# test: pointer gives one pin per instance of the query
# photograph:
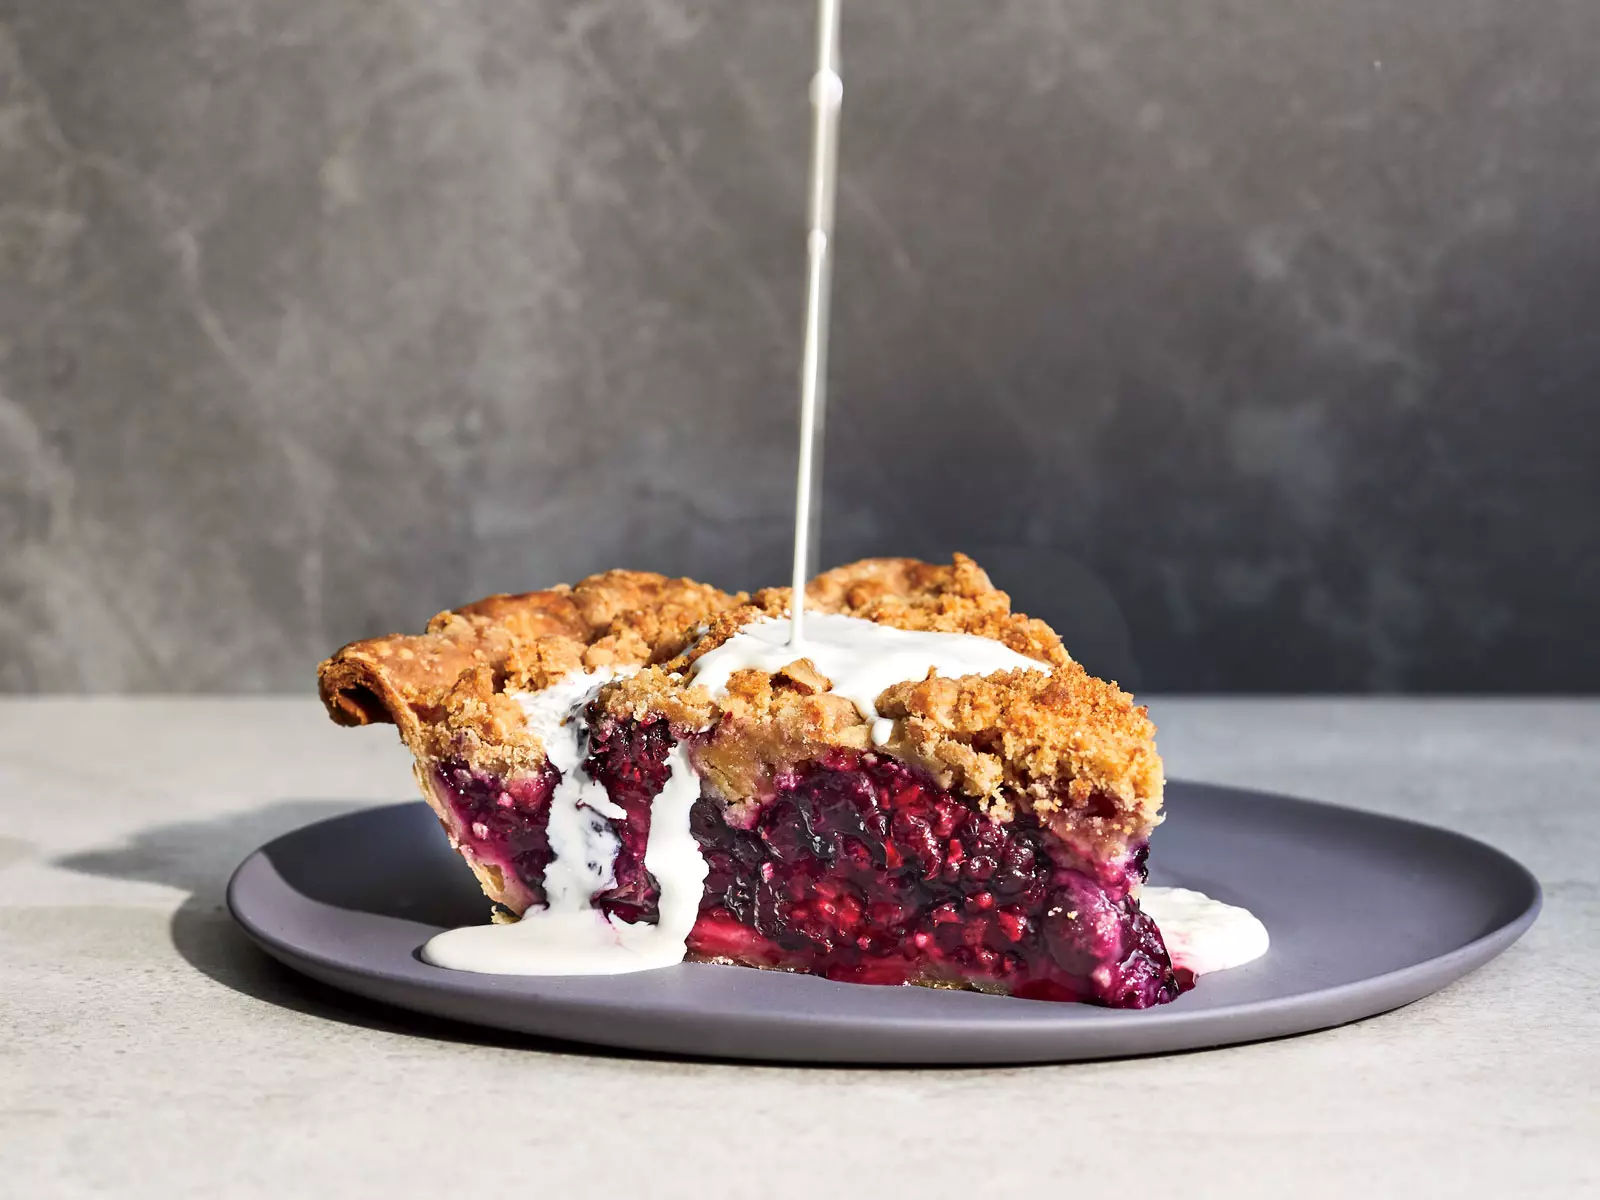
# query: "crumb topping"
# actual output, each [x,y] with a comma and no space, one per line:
[449,689]
[1071,748]
[1066,741]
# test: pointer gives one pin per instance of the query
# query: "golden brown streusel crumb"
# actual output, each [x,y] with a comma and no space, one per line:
[658,691]
[482,723]
[906,594]
[763,724]
[1065,741]
[1071,748]
[525,642]
[535,665]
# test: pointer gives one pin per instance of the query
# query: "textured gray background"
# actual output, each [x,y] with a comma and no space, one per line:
[1257,344]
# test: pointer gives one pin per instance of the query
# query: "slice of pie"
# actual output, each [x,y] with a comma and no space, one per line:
[650,758]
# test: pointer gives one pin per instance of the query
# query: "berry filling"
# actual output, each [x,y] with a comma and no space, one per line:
[630,759]
[503,820]
[858,868]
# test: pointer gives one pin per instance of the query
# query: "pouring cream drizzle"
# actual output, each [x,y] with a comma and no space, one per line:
[859,657]
[569,936]
[581,837]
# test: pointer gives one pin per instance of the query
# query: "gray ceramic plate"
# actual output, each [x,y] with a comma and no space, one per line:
[1366,913]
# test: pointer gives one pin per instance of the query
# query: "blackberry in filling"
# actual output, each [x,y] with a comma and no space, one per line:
[856,867]
[503,820]
[860,869]
[630,759]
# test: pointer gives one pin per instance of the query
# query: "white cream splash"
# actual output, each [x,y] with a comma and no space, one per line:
[1202,934]
[861,658]
[569,936]
[581,837]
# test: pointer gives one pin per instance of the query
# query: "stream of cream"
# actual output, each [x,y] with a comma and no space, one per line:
[569,936]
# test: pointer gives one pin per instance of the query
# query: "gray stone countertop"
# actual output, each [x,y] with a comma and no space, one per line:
[150,1050]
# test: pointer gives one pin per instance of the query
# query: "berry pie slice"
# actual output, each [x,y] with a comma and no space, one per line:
[923,788]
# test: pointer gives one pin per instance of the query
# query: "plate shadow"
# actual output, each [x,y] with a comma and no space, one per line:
[199,857]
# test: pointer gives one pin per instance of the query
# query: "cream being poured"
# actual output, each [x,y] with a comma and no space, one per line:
[861,659]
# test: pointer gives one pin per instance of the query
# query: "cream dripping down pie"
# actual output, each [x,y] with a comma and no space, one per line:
[927,789]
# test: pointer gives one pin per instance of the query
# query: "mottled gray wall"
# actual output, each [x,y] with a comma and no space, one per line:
[1257,344]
